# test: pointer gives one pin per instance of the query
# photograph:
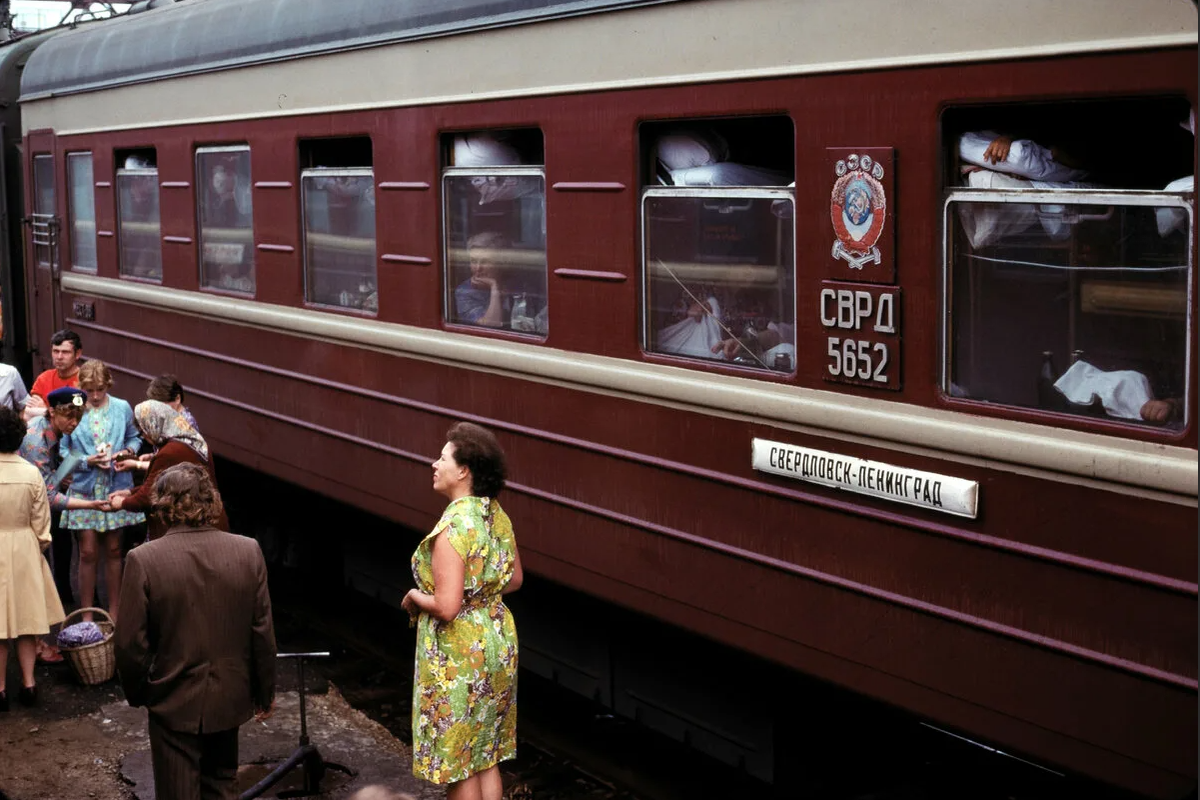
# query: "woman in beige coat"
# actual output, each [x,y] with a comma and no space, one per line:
[29,603]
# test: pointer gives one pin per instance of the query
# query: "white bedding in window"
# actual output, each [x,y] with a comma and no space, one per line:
[1172,219]
[988,224]
[1026,158]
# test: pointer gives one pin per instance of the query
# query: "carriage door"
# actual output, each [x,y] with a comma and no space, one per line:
[43,239]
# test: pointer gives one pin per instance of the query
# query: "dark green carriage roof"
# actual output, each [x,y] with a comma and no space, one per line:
[195,36]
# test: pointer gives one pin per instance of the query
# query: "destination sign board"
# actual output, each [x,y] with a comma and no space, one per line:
[912,487]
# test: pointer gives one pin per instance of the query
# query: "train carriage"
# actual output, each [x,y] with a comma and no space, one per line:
[780,350]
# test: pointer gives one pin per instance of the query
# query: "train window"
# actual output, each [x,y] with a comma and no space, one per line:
[1069,251]
[138,227]
[337,186]
[226,218]
[494,189]
[82,211]
[339,237]
[44,210]
[718,209]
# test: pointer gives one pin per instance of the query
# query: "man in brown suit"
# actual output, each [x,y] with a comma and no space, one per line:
[195,643]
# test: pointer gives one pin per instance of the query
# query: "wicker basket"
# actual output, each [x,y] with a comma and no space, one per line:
[96,662]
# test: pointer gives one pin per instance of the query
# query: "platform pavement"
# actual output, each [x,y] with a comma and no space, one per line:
[85,742]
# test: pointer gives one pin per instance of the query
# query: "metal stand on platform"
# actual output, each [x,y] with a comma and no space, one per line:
[306,756]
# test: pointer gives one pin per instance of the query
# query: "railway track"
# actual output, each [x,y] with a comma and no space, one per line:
[569,749]
[829,744]
[573,749]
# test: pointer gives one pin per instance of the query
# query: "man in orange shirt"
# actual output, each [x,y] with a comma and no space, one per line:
[65,351]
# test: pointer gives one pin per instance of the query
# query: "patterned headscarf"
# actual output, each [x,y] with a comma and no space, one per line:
[161,423]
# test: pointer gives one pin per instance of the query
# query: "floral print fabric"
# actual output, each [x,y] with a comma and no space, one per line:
[40,448]
[465,687]
[103,426]
[161,424]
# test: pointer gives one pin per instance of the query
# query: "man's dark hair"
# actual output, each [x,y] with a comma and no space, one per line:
[66,335]
[164,389]
[12,430]
[476,448]
[185,495]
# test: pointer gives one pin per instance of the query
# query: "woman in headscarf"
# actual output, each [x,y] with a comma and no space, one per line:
[176,442]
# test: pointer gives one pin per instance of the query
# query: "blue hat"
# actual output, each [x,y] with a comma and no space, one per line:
[66,396]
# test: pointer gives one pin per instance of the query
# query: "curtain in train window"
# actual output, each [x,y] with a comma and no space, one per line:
[82,211]
[1076,303]
[496,248]
[339,238]
[43,209]
[138,223]
[226,218]
[719,274]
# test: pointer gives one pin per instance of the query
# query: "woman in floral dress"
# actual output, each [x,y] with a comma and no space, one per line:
[105,435]
[465,687]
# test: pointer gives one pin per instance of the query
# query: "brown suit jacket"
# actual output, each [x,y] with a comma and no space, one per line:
[195,643]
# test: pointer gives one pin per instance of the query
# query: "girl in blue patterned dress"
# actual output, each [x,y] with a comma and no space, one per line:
[106,434]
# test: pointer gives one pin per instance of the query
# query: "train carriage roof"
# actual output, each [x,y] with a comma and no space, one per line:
[205,35]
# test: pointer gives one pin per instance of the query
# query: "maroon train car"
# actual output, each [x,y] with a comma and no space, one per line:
[858,337]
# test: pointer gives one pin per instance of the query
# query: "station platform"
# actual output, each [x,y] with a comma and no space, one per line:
[86,742]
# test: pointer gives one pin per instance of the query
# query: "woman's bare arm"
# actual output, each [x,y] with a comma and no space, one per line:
[448,572]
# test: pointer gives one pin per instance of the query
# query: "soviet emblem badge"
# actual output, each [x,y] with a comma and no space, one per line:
[858,207]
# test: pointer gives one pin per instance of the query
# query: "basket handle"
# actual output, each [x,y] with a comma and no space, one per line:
[67,621]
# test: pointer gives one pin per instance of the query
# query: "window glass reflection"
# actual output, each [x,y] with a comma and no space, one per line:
[339,238]
[138,224]
[720,278]
[226,219]
[496,250]
[1073,307]
[82,211]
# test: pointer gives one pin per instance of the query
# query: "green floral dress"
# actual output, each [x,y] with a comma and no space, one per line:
[465,687]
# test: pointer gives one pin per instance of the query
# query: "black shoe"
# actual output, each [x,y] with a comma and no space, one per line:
[3,702]
[28,696]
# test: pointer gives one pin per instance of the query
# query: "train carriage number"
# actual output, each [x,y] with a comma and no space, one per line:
[861,324]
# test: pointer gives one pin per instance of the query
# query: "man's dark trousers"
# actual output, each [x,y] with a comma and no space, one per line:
[193,766]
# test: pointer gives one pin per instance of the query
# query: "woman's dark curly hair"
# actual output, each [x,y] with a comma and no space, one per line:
[12,430]
[476,449]
[185,495]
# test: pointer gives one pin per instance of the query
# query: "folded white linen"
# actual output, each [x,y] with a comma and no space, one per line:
[1122,392]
